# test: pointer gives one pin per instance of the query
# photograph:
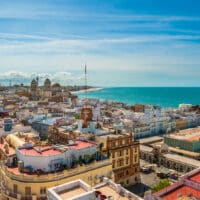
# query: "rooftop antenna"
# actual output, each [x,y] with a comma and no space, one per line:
[10,82]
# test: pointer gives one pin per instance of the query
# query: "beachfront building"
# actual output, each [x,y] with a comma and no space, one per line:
[156,127]
[124,152]
[153,121]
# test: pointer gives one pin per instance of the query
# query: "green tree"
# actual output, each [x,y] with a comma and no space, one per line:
[162,184]
[77,116]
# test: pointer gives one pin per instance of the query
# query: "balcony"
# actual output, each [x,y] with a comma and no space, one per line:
[28,197]
[14,174]
[16,196]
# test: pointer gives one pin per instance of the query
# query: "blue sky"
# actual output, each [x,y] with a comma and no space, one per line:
[123,42]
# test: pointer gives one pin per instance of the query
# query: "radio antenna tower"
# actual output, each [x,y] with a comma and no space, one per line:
[85,80]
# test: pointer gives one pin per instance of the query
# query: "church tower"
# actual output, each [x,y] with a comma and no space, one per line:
[47,92]
[34,90]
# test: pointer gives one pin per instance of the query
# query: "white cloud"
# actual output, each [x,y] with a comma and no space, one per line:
[75,46]
[70,14]
[25,77]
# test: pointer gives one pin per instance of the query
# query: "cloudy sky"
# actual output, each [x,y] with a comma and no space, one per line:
[123,42]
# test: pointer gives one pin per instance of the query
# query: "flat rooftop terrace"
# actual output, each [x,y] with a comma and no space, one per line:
[150,140]
[109,191]
[79,144]
[72,192]
[190,135]
[44,152]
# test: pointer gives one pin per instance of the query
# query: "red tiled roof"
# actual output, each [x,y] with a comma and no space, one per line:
[82,145]
[33,152]
[195,178]
[184,191]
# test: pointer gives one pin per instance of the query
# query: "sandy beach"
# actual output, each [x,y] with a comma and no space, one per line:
[88,90]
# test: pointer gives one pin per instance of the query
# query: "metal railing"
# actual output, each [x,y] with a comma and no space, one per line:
[53,176]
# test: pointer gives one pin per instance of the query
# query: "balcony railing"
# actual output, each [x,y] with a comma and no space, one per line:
[12,195]
[28,197]
[53,176]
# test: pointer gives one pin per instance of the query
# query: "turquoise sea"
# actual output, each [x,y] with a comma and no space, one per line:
[163,96]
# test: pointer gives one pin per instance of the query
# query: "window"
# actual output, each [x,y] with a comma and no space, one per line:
[126,151]
[127,161]
[113,154]
[113,164]
[15,189]
[126,172]
[120,163]
[135,150]
[135,158]
[120,175]
[28,191]
[120,153]
[113,144]
[42,190]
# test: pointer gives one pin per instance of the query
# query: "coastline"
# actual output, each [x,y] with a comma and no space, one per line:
[87,90]
[148,95]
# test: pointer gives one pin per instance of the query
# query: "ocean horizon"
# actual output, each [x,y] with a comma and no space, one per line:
[161,96]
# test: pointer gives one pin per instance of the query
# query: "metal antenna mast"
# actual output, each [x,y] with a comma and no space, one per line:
[85,80]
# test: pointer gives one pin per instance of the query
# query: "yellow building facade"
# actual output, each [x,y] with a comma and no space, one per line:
[16,185]
[124,152]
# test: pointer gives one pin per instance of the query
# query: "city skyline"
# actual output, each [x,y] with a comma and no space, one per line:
[124,43]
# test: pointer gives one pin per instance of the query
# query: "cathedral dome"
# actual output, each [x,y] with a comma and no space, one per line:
[56,85]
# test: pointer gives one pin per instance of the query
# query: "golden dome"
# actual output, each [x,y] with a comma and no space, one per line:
[56,85]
